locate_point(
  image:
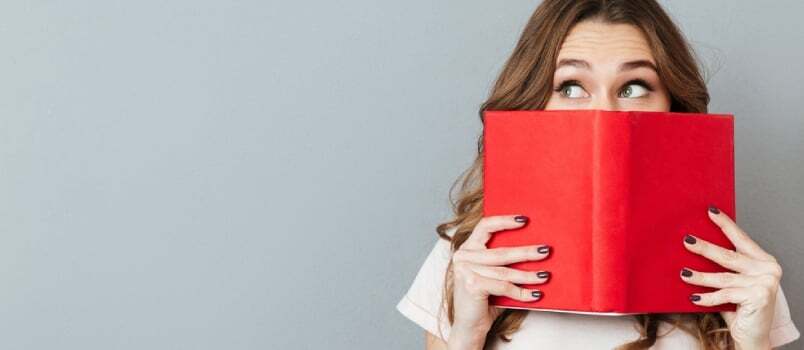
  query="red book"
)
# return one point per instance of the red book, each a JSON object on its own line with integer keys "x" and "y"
{"x": 613, "y": 193}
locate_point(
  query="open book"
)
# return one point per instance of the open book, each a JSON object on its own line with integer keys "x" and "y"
{"x": 613, "y": 193}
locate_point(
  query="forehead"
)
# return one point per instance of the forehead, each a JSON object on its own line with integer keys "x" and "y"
{"x": 599, "y": 42}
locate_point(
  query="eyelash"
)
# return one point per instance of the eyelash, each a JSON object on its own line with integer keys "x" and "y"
{"x": 566, "y": 83}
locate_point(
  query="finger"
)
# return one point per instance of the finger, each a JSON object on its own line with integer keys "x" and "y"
{"x": 717, "y": 279}
{"x": 501, "y": 256}
{"x": 742, "y": 242}
{"x": 507, "y": 289}
{"x": 722, "y": 296}
{"x": 490, "y": 224}
{"x": 750, "y": 299}
{"x": 511, "y": 275}
{"x": 727, "y": 258}
{"x": 479, "y": 286}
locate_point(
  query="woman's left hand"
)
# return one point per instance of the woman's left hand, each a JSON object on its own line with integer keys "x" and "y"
{"x": 752, "y": 286}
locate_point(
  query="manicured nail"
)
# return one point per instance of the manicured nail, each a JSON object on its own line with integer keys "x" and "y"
{"x": 689, "y": 239}
{"x": 695, "y": 297}
{"x": 521, "y": 218}
{"x": 713, "y": 209}
{"x": 543, "y": 274}
{"x": 536, "y": 294}
{"x": 544, "y": 249}
{"x": 686, "y": 273}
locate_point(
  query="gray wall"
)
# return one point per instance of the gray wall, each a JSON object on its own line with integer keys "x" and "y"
{"x": 251, "y": 174}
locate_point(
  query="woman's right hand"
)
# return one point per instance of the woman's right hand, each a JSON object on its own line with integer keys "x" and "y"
{"x": 479, "y": 272}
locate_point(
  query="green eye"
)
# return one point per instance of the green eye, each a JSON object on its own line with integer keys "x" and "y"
{"x": 572, "y": 91}
{"x": 634, "y": 91}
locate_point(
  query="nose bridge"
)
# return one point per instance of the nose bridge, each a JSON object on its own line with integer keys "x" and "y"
{"x": 604, "y": 101}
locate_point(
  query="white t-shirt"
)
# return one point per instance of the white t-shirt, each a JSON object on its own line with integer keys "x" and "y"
{"x": 553, "y": 330}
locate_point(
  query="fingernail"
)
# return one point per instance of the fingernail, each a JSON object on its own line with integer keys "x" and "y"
{"x": 689, "y": 239}
{"x": 543, "y": 249}
{"x": 521, "y": 218}
{"x": 713, "y": 209}
{"x": 686, "y": 273}
{"x": 695, "y": 297}
{"x": 543, "y": 274}
{"x": 536, "y": 294}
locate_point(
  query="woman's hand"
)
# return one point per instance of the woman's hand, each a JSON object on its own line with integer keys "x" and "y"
{"x": 752, "y": 286}
{"x": 479, "y": 272}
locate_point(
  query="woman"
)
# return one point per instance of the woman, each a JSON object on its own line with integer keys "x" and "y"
{"x": 593, "y": 54}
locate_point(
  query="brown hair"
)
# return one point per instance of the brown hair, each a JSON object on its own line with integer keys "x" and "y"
{"x": 525, "y": 83}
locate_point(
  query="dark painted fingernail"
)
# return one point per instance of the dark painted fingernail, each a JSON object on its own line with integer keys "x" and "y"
{"x": 521, "y": 218}
{"x": 695, "y": 297}
{"x": 544, "y": 249}
{"x": 689, "y": 239}
{"x": 543, "y": 274}
{"x": 713, "y": 209}
{"x": 686, "y": 273}
{"x": 536, "y": 294}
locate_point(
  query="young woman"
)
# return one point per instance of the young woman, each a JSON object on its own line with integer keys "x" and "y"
{"x": 590, "y": 54}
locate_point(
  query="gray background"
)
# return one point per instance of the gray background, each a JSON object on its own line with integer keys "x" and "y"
{"x": 250, "y": 174}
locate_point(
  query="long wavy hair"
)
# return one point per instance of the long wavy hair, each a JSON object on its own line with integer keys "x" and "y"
{"x": 525, "y": 84}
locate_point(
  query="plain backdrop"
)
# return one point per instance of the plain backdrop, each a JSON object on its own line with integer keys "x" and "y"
{"x": 268, "y": 175}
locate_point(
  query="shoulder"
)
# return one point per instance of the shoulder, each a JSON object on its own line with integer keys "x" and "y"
{"x": 783, "y": 330}
{"x": 423, "y": 302}
{"x": 440, "y": 254}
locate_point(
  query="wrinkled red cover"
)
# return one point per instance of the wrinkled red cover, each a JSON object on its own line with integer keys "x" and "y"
{"x": 614, "y": 193}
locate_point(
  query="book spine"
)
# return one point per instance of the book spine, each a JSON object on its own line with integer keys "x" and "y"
{"x": 610, "y": 199}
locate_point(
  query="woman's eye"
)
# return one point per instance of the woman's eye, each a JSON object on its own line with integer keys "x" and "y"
{"x": 634, "y": 91}
{"x": 572, "y": 91}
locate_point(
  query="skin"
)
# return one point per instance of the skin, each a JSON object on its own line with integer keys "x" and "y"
{"x": 593, "y": 72}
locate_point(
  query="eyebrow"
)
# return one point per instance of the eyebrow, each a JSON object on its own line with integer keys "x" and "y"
{"x": 573, "y": 62}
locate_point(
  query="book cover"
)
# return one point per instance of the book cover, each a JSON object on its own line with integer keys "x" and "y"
{"x": 613, "y": 193}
